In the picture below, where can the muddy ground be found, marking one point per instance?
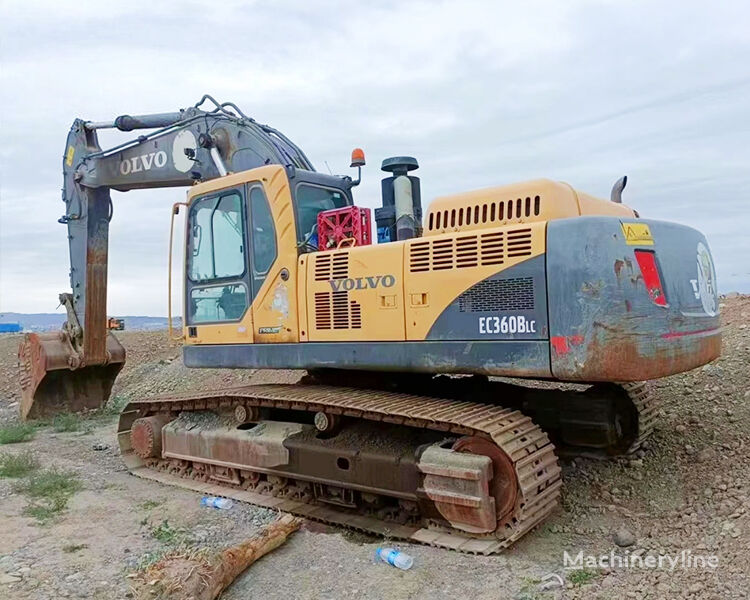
(690, 492)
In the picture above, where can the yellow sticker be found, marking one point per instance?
(637, 234)
(69, 156)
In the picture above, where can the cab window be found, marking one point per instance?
(217, 239)
(311, 199)
(262, 233)
(212, 304)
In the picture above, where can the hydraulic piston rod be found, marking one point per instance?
(129, 123)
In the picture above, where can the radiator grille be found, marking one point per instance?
(498, 294)
(469, 250)
(485, 212)
(331, 265)
(334, 310)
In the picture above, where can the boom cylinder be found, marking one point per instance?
(129, 123)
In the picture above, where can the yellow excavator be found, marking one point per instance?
(405, 422)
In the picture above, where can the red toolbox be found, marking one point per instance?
(344, 227)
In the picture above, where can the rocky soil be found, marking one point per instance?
(689, 491)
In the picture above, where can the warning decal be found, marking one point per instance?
(637, 234)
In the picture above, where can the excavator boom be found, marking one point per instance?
(75, 368)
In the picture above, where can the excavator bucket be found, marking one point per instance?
(53, 381)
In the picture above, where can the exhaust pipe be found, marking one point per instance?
(616, 193)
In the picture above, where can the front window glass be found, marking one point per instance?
(217, 240)
(217, 259)
(310, 201)
(218, 303)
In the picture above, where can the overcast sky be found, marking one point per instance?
(482, 93)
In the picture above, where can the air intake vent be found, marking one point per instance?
(486, 212)
(498, 294)
(334, 310)
(331, 265)
(519, 243)
(469, 250)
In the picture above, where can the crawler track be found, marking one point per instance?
(605, 420)
(528, 448)
(647, 407)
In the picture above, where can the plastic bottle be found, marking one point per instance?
(394, 557)
(216, 502)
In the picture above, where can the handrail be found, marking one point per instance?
(175, 212)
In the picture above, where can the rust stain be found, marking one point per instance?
(619, 264)
(614, 356)
(625, 263)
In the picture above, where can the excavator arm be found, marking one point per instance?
(74, 369)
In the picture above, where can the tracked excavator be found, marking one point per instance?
(406, 422)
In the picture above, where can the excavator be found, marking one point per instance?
(449, 361)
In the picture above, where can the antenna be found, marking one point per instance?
(329, 168)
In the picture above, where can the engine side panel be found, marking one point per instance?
(355, 294)
(604, 325)
(508, 305)
(446, 273)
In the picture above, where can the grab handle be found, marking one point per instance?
(175, 212)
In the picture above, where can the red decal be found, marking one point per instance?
(560, 344)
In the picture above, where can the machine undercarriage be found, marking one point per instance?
(439, 469)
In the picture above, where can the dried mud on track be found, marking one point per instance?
(690, 490)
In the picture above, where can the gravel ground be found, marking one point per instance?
(689, 491)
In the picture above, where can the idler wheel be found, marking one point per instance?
(245, 414)
(145, 435)
(326, 422)
(504, 486)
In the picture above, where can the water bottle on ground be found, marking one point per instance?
(216, 502)
(394, 557)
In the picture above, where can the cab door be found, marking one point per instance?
(218, 275)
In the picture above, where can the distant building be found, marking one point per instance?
(10, 327)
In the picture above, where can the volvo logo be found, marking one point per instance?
(362, 283)
(143, 162)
